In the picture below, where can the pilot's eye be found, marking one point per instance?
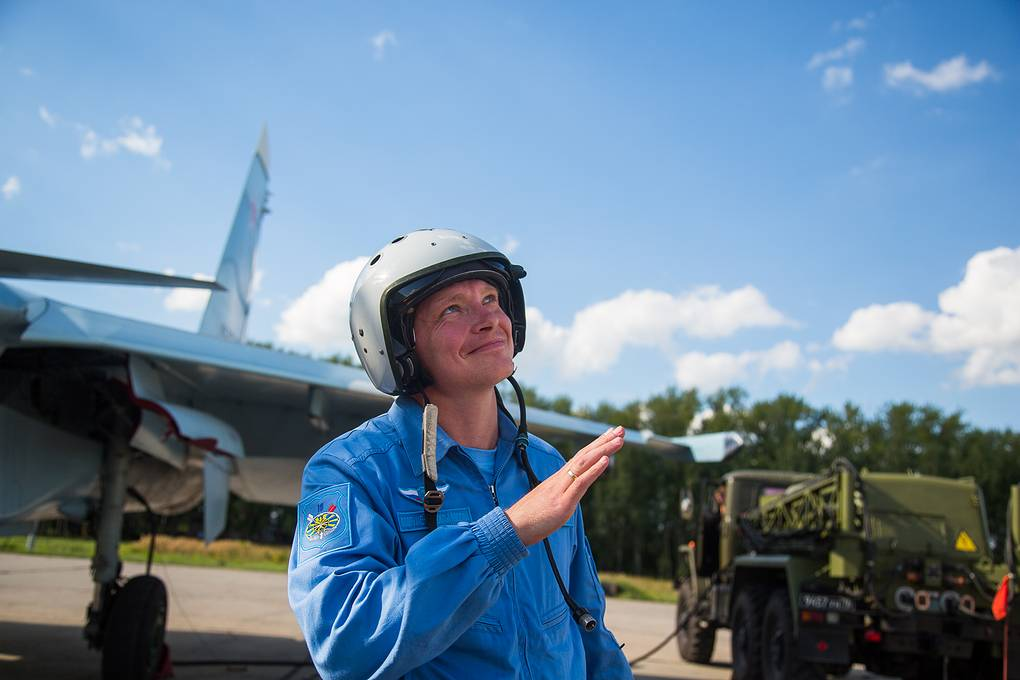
(450, 310)
(491, 297)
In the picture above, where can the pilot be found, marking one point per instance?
(394, 574)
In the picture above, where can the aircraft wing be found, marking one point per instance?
(14, 265)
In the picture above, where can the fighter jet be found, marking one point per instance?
(102, 415)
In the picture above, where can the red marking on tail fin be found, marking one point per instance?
(332, 507)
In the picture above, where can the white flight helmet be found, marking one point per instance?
(406, 271)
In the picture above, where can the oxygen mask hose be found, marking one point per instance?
(580, 614)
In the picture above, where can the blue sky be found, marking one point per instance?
(818, 198)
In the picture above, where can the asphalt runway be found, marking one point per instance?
(226, 614)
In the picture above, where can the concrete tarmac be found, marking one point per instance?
(242, 616)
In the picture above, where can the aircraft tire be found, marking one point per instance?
(694, 642)
(133, 640)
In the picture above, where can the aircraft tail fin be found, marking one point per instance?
(227, 311)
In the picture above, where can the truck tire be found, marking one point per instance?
(694, 642)
(745, 640)
(779, 644)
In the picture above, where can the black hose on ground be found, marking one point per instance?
(659, 646)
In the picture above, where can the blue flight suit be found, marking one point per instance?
(378, 596)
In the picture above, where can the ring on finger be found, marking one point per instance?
(573, 475)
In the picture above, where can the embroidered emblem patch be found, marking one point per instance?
(322, 524)
(324, 520)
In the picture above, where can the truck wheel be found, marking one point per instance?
(779, 644)
(133, 640)
(745, 640)
(694, 642)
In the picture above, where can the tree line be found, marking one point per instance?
(632, 515)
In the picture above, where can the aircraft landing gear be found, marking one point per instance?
(126, 621)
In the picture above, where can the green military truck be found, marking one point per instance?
(813, 573)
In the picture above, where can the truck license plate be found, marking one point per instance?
(837, 603)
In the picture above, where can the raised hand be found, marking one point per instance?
(545, 508)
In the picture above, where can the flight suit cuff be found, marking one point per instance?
(499, 541)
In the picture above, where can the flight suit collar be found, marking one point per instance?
(405, 416)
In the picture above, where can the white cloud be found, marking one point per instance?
(642, 318)
(380, 41)
(187, 299)
(860, 23)
(822, 439)
(837, 364)
(837, 78)
(134, 137)
(951, 74)
(709, 372)
(47, 117)
(319, 319)
(979, 316)
(896, 326)
(11, 188)
(510, 244)
(844, 51)
(875, 164)
(27, 72)
(256, 280)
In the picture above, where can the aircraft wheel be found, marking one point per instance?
(133, 640)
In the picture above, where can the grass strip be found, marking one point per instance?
(235, 554)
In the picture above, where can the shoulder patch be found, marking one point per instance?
(324, 521)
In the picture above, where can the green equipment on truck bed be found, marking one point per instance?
(813, 573)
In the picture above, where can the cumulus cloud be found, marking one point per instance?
(319, 319)
(643, 318)
(704, 415)
(980, 317)
(11, 188)
(837, 364)
(951, 74)
(47, 117)
(510, 244)
(896, 326)
(709, 372)
(187, 299)
(837, 78)
(844, 51)
(380, 42)
(134, 137)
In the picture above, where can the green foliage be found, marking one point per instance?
(632, 516)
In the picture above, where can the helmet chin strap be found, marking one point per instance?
(580, 614)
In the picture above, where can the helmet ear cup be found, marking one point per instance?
(407, 365)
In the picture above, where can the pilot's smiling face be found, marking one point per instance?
(463, 337)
